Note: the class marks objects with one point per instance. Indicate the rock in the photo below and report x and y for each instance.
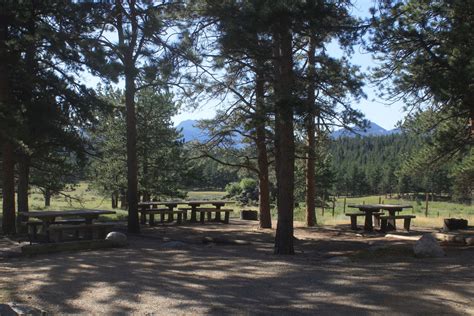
(174, 244)
(469, 241)
(338, 260)
(427, 247)
(118, 238)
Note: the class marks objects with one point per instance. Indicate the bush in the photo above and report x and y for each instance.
(233, 189)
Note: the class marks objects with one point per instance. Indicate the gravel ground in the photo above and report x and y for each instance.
(334, 272)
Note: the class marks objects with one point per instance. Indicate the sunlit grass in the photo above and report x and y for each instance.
(83, 197)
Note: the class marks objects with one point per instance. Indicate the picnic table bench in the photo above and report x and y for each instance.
(151, 212)
(209, 210)
(79, 219)
(406, 221)
(58, 233)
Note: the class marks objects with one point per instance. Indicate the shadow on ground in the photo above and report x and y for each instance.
(148, 277)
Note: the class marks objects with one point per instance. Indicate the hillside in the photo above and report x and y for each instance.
(191, 132)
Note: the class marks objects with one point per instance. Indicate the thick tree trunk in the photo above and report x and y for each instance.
(8, 164)
(8, 189)
(284, 138)
(311, 141)
(132, 165)
(262, 160)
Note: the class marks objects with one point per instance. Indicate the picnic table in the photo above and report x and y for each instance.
(194, 206)
(149, 208)
(47, 218)
(370, 210)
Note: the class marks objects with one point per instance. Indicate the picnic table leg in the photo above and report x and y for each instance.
(218, 214)
(202, 217)
(368, 226)
(143, 218)
(353, 222)
(170, 214)
(193, 214)
(377, 219)
(391, 222)
(226, 217)
(151, 219)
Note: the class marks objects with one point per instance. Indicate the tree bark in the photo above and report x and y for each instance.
(132, 165)
(22, 189)
(8, 189)
(23, 183)
(262, 156)
(8, 164)
(311, 140)
(284, 137)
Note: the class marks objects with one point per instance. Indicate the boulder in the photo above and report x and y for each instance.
(469, 241)
(119, 239)
(427, 247)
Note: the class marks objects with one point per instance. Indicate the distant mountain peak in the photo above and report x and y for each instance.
(373, 129)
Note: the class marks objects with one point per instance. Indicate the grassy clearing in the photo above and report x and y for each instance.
(84, 197)
(437, 211)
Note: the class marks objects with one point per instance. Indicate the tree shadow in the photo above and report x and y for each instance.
(147, 277)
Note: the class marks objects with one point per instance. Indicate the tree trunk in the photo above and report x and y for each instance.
(132, 166)
(114, 198)
(22, 189)
(123, 200)
(47, 198)
(262, 160)
(8, 164)
(8, 189)
(311, 141)
(284, 138)
(23, 183)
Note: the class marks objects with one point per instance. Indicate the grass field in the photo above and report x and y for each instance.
(84, 197)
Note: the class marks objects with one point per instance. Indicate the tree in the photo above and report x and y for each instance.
(41, 51)
(144, 56)
(425, 48)
(159, 149)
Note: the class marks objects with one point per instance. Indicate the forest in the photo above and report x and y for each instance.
(281, 95)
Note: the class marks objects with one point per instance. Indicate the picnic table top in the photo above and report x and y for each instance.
(387, 207)
(160, 203)
(192, 202)
(49, 214)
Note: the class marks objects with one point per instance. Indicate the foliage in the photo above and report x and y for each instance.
(245, 191)
(160, 151)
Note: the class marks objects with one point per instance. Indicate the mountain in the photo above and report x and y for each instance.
(191, 132)
(372, 130)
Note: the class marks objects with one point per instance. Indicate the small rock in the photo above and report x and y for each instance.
(174, 244)
(338, 260)
(427, 247)
(469, 241)
(119, 238)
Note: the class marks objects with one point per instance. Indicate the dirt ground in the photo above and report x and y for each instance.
(334, 271)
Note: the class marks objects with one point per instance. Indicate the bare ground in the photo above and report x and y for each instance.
(380, 276)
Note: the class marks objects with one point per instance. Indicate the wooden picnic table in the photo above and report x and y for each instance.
(49, 217)
(370, 209)
(218, 204)
(150, 204)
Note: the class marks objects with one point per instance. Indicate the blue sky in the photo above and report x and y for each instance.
(374, 108)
